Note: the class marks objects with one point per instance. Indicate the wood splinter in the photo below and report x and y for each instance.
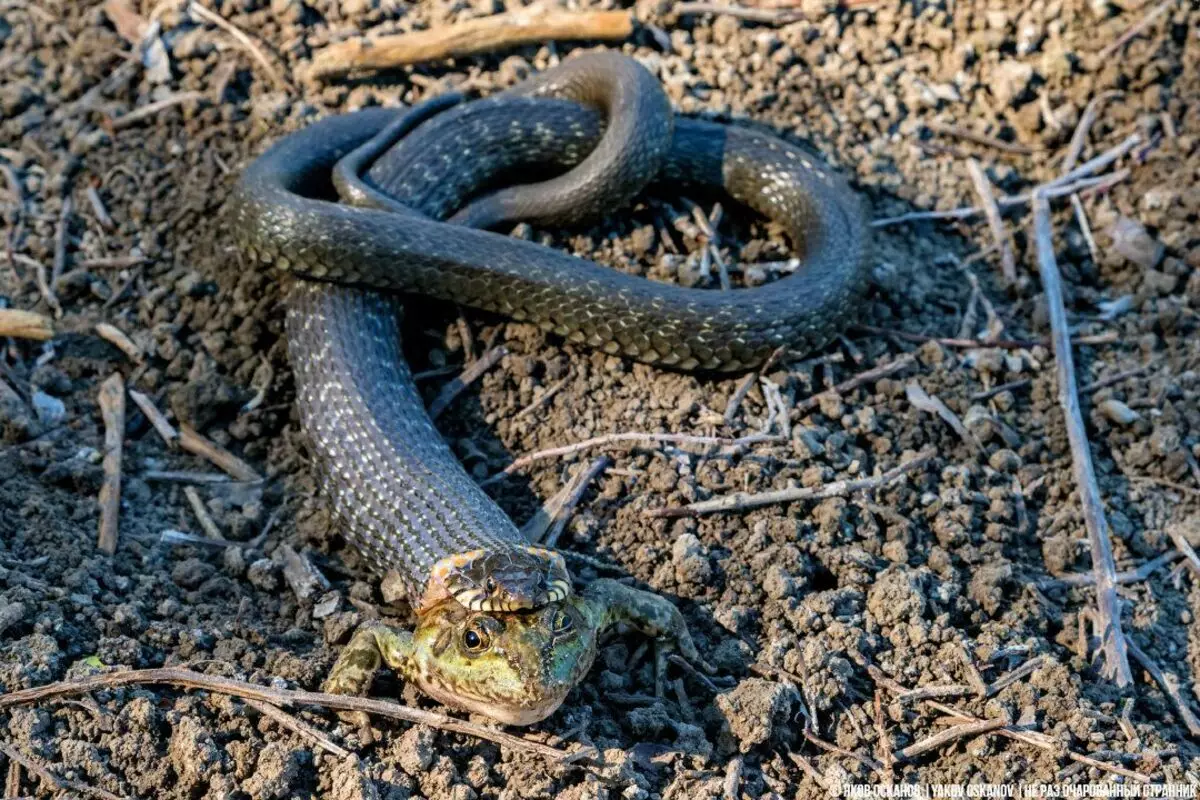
(112, 410)
(25, 325)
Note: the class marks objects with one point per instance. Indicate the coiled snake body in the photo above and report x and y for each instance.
(397, 489)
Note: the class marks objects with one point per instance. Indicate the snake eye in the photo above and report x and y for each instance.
(562, 623)
(475, 640)
(489, 586)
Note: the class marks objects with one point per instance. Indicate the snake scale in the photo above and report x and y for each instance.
(397, 489)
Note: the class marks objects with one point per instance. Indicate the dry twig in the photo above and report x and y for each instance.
(60, 240)
(1043, 742)
(967, 729)
(202, 516)
(741, 501)
(926, 402)
(550, 520)
(1079, 137)
(117, 338)
(769, 16)
(469, 375)
(153, 109)
(1112, 638)
(972, 344)
(283, 698)
(1128, 576)
(102, 215)
(1128, 35)
(983, 187)
(807, 767)
(196, 444)
(15, 756)
(12, 779)
(534, 24)
(1193, 562)
(884, 370)
(112, 409)
(25, 325)
(156, 417)
(296, 725)
(979, 138)
(42, 277)
(208, 15)
(1167, 684)
(626, 438)
(545, 398)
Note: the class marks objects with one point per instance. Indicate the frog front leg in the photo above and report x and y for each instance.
(611, 603)
(373, 645)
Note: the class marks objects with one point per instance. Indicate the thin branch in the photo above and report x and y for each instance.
(1193, 562)
(283, 698)
(153, 109)
(1169, 688)
(1112, 380)
(807, 767)
(202, 516)
(930, 404)
(60, 240)
(157, 419)
(882, 371)
(550, 520)
(297, 726)
(1128, 576)
(468, 376)
(534, 24)
(625, 438)
(1008, 679)
(866, 761)
(983, 187)
(1004, 387)
(1128, 35)
(196, 444)
(979, 138)
(15, 756)
(769, 16)
(543, 400)
(1062, 184)
(1079, 137)
(1044, 742)
(208, 15)
(742, 501)
(1068, 185)
(972, 344)
(112, 409)
(42, 276)
(953, 734)
(1112, 637)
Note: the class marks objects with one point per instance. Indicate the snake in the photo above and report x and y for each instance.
(421, 188)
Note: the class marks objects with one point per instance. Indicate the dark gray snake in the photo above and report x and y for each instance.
(396, 487)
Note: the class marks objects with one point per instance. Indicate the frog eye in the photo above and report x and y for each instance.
(475, 639)
(562, 623)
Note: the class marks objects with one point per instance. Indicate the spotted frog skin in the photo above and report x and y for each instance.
(515, 667)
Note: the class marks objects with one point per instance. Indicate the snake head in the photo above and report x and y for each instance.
(501, 579)
(515, 667)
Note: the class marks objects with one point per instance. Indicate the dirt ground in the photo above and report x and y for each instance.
(813, 611)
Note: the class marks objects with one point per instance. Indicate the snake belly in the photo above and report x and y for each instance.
(398, 490)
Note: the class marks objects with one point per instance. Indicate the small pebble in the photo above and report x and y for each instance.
(1116, 411)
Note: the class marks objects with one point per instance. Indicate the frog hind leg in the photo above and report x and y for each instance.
(613, 603)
